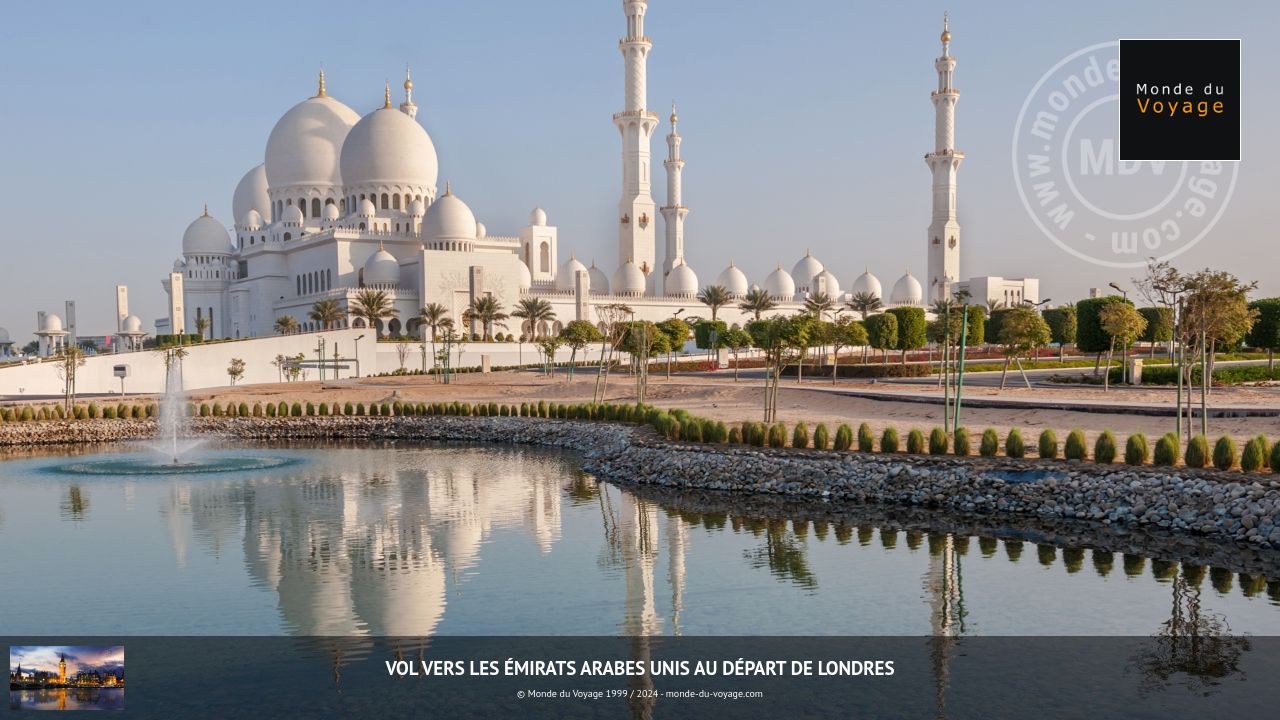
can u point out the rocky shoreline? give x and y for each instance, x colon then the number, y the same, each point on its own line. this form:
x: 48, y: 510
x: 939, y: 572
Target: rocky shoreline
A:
x: 1229, y: 508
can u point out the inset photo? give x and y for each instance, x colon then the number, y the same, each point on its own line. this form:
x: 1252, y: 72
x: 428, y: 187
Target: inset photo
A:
x: 66, y: 677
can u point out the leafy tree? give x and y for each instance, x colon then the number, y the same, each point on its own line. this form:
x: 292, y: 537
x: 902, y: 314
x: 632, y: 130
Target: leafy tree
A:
x: 882, y: 332
x: 714, y: 297
x: 703, y: 331
x: 780, y: 338
x: 757, y: 302
x: 736, y: 340
x: 1022, y: 332
x: 677, y: 332
x: 1090, y: 337
x: 864, y: 302
x: 327, y: 313
x: 235, y: 370
x: 1159, y: 326
x: 374, y: 306
x: 845, y: 332
x: 1217, y: 310
x: 1265, y: 333
x: 577, y: 335
x: 1062, y: 326
x: 1122, y: 323
x: 286, y: 325
x: 912, y: 329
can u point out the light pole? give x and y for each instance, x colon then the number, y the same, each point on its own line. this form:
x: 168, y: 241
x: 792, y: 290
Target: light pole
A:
x: 358, y: 339
x: 320, y: 355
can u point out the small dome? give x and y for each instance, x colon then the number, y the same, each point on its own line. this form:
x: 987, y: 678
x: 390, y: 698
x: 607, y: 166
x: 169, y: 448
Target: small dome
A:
x: 381, y: 269
x: 682, y: 282
x: 292, y: 215
x: 305, y: 144
x: 780, y: 285
x: 133, y: 324
x: 251, y: 194
x: 52, y: 324
x: 251, y: 220
x: 907, y: 291
x: 449, y: 218
x: 833, y: 285
x: 387, y: 147
x: 868, y: 283
x: 733, y: 280
x: 206, y: 236
x: 367, y: 208
x: 805, y: 270
x: 331, y: 212
x: 417, y: 208
x: 628, y: 280
x: 538, y: 217
x: 526, y: 277
x: 481, y: 230
x: 568, y: 274
x: 599, y: 281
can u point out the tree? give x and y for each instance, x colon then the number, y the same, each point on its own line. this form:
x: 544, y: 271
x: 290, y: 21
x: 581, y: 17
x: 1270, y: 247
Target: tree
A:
x: 995, y: 322
x: 977, y: 332
x: 912, y: 329
x: 779, y: 338
x: 882, y: 332
x: 1159, y: 326
x: 286, y: 324
x: 487, y: 311
x: 818, y: 305
x: 202, y: 326
x: 327, y: 313
x: 864, y: 302
x: 706, y: 333
x: 532, y: 312
x: 402, y: 352
x: 1062, y: 326
x: 548, y: 347
x: 1123, y: 323
x: 69, y: 362
x: 577, y: 335
x: 1216, y: 314
x: 736, y: 340
x: 845, y: 332
x: 994, y: 304
x: 714, y: 297
x: 432, y: 316
x: 1265, y: 333
x: 1022, y: 332
x: 611, y: 317
x: 757, y: 302
x: 235, y: 370
x: 677, y: 332
x: 1090, y: 337
x: 374, y: 306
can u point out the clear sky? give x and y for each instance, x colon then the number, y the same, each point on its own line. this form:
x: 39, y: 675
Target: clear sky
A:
x: 804, y: 125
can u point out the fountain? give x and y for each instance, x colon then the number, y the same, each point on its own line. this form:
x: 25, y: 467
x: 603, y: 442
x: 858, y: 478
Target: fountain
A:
x: 172, y: 439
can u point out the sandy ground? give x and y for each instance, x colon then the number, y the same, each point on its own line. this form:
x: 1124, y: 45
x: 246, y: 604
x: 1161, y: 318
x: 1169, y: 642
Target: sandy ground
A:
x: 812, y: 401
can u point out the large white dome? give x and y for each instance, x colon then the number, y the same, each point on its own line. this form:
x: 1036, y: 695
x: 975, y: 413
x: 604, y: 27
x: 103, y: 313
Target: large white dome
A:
x: 682, y: 282
x: 568, y: 274
x: 381, y: 269
x: 389, y: 148
x: 628, y: 280
x: 206, y: 236
x: 907, y: 291
x: 251, y: 194
x: 305, y: 145
x: 779, y: 285
x: 805, y: 270
x: 833, y: 284
x: 449, y: 218
x: 599, y: 281
x: 868, y: 283
x: 733, y: 280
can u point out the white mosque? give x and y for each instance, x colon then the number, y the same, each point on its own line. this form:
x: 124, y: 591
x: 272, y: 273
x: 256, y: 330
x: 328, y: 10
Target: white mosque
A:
x: 343, y: 202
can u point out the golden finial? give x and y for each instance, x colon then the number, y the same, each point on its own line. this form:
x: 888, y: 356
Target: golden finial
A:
x: 408, y: 81
x: 320, y: 92
x: 946, y: 33
x: 206, y: 210
x: 448, y: 187
x: 386, y: 96
x: 674, y: 118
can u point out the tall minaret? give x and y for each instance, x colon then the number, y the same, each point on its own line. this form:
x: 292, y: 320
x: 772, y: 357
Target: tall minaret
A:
x: 674, y: 212
x: 636, y: 221
x: 407, y: 107
x: 944, y: 161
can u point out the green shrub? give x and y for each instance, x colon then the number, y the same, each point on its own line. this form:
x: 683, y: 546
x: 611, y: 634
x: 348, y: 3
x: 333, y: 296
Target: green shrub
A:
x: 1014, y: 446
x: 937, y: 441
x: 542, y: 409
x: 360, y: 408
x: 1166, y: 452
x: 844, y: 437
x: 386, y: 410
x: 915, y: 441
x: 1104, y: 449
x: 722, y: 433
x: 44, y: 414
x: 348, y: 408
x: 123, y: 411
x: 1197, y: 452
x: 778, y: 436
x: 493, y: 409
x: 311, y: 409
x: 204, y: 410
x: 231, y: 410
x: 282, y: 409
x: 961, y: 444
x: 218, y: 410
x: 800, y: 436
x: 257, y: 409
x: 244, y: 409
x: 821, y: 437
x: 735, y: 435
x: 322, y: 409
x: 1047, y: 447
x: 1224, y: 453
x: 108, y: 413
x: 1076, y: 448
x: 866, y: 439
x: 1254, y: 457
x: 94, y: 411
x: 757, y: 435
x: 1136, y: 450
x: 271, y: 409
x: 989, y: 445
x: 153, y: 410
x: 693, y: 432
x: 296, y: 409
x: 1274, y: 459
x: 1265, y: 444
x: 889, y: 440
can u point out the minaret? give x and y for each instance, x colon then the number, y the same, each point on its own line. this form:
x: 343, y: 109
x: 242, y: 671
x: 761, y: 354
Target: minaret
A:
x: 407, y: 107
x: 944, y: 161
x: 636, y: 222
x: 674, y: 212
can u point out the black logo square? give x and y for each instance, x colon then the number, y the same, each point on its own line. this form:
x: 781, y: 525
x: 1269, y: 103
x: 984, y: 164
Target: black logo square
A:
x: 1180, y: 100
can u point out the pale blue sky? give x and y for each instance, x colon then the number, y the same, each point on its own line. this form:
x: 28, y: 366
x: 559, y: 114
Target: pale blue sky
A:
x: 804, y: 126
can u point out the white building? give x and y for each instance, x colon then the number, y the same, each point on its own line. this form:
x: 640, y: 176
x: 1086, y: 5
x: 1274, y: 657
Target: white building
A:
x: 344, y: 202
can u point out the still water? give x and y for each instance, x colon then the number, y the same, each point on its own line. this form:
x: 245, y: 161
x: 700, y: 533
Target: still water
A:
x: 413, y: 540
x: 67, y: 699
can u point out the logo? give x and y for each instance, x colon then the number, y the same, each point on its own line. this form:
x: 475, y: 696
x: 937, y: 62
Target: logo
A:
x: 1110, y: 212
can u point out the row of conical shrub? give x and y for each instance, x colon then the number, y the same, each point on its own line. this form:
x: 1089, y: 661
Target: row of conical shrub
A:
x: 91, y: 411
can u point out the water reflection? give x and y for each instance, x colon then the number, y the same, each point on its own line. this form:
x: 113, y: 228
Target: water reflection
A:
x: 76, y: 504
x: 67, y: 699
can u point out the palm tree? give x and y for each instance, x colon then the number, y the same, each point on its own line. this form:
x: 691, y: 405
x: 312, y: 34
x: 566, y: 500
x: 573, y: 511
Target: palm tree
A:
x: 993, y: 304
x: 488, y: 312
x: 286, y: 324
x: 326, y: 312
x: 757, y: 302
x: 533, y: 312
x: 202, y: 327
x: 818, y: 305
x: 432, y: 316
x: 373, y: 306
x: 864, y: 302
x: 714, y: 297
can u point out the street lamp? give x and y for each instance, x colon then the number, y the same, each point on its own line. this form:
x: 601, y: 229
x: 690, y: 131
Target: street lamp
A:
x: 1123, y: 293
x: 358, y: 339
